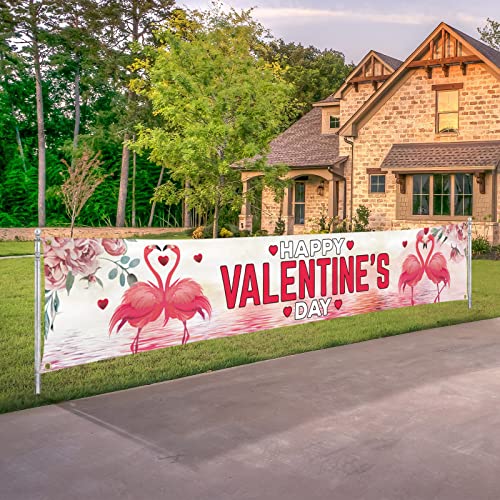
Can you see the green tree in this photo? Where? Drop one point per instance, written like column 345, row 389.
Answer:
column 220, row 103
column 490, row 33
column 315, row 73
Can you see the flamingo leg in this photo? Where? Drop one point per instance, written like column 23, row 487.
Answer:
column 412, row 301
column 134, row 346
column 438, row 298
column 185, row 337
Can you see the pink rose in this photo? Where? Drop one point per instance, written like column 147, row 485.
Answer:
column 56, row 272
column 82, row 256
column 114, row 247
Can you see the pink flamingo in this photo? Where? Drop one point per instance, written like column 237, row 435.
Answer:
column 184, row 298
column 141, row 304
column 413, row 269
column 436, row 269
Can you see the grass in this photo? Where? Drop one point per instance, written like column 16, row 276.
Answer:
column 8, row 248
column 12, row 248
column 16, row 339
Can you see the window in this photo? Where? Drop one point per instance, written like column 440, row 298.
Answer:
column 463, row 194
column 300, row 202
column 442, row 194
column 442, row 197
column 447, row 111
column 334, row 122
column 421, row 194
column 377, row 183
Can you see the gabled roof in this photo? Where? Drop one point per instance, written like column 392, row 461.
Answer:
column 487, row 51
column 388, row 62
column 303, row 145
column 481, row 52
column 447, row 154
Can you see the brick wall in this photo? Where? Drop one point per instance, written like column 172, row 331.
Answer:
column 409, row 116
column 315, row 205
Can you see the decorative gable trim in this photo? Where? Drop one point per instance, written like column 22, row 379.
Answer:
column 445, row 42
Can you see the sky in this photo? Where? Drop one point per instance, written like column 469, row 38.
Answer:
column 354, row 27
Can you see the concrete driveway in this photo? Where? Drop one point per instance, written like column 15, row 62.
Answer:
column 410, row 417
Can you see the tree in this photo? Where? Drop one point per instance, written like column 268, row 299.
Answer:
column 220, row 103
column 130, row 24
column 30, row 20
column 84, row 175
column 490, row 33
column 315, row 73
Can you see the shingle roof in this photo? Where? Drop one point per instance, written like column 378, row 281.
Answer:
column 487, row 51
column 391, row 61
column 303, row 144
column 330, row 98
column 449, row 154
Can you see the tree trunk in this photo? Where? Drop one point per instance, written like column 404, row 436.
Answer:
column 215, row 232
column 187, row 212
column 41, row 134
column 122, row 195
column 20, row 145
column 134, row 168
column 76, row 130
column 153, row 206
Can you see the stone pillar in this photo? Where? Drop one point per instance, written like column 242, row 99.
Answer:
column 341, row 212
column 287, row 211
column 332, row 198
column 245, row 217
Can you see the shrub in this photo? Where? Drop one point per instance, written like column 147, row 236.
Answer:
column 261, row 232
column 198, row 233
column 279, row 228
column 480, row 246
column 361, row 220
column 244, row 233
column 225, row 233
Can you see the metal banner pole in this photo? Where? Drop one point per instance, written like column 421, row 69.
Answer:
column 38, row 311
column 469, row 261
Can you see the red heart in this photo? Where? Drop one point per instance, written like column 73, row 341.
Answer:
column 405, row 243
column 273, row 249
column 103, row 303
column 287, row 311
column 163, row 260
column 338, row 304
column 198, row 257
column 350, row 244
column 426, row 230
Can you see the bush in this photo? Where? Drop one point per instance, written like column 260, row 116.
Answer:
column 361, row 221
column 279, row 228
column 261, row 232
column 480, row 246
column 244, row 233
column 225, row 233
column 198, row 233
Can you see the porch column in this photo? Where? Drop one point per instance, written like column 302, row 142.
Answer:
column 332, row 198
column 245, row 217
column 287, row 215
column 341, row 212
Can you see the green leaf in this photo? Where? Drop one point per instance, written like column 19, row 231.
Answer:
column 113, row 273
column 57, row 302
column 122, row 279
column 124, row 259
column 99, row 281
column 70, row 279
column 131, row 279
column 134, row 263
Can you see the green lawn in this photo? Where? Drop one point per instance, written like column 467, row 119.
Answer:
column 16, row 340
column 9, row 248
column 16, row 248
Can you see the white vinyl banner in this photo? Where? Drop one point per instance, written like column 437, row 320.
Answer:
column 112, row 297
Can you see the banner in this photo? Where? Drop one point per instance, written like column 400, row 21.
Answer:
column 111, row 297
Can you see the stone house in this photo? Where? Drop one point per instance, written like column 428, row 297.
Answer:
column 417, row 142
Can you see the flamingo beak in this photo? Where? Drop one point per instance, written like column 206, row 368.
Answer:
column 158, row 248
column 165, row 247
column 424, row 245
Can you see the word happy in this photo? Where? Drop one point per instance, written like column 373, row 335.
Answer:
column 296, row 249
